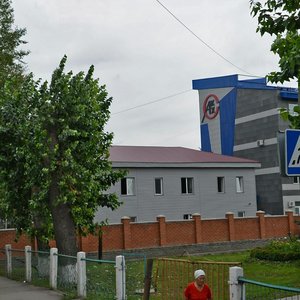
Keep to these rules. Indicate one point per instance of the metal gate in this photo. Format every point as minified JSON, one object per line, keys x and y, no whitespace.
{"x":173,"y":275}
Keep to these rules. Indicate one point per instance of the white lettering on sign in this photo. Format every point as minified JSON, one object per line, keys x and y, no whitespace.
{"x":295,"y":159}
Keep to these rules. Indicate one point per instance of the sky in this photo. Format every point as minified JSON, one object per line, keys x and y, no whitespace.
{"x":147,"y":53}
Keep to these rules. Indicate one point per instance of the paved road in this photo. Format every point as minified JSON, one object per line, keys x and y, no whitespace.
{"x":15,"y":290}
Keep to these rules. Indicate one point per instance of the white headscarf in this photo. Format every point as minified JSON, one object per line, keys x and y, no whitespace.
{"x":199,"y":273}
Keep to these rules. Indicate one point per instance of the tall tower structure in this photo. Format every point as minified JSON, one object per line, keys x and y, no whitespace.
{"x":240,"y":117}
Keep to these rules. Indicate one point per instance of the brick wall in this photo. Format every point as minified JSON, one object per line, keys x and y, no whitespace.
{"x":128,"y":236}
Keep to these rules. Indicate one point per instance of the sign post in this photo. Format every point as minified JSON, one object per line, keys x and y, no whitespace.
{"x":292,"y":152}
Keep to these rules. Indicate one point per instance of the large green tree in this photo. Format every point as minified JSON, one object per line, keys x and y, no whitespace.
{"x":281,"y":18}
{"x":11,"y":75}
{"x":11,"y":56}
{"x":61,"y":151}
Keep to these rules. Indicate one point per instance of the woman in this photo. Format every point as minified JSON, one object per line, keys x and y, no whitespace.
{"x":198,"y":290}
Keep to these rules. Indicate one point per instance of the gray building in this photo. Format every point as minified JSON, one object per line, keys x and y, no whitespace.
{"x":241,"y":118}
{"x":177,"y":182}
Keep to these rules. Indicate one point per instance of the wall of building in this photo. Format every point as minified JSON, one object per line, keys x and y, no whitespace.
{"x":257,"y":119}
{"x":205,"y":199}
{"x":162,"y":233}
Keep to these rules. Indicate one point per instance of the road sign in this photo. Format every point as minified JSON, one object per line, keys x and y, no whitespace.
{"x":292,"y":152}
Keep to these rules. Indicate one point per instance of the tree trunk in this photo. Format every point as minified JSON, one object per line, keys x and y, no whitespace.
{"x":63,"y":224}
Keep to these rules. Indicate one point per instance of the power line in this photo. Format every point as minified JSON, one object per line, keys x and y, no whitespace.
{"x":151,"y":102}
{"x":201,"y":40}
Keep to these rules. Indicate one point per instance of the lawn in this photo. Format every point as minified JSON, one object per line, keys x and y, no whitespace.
{"x":278,"y":273}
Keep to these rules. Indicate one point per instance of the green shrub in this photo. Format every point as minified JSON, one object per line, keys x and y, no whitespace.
{"x":278,"y":250}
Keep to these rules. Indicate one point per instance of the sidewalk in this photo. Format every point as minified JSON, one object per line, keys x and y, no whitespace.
{"x":15,"y":290}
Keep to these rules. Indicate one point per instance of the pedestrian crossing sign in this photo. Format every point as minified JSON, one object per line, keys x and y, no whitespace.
{"x":292,"y":152}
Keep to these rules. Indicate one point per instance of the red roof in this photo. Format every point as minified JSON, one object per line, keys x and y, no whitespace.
{"x":149,"y":154}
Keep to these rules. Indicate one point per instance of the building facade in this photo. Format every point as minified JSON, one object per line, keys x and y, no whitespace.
{"x":177,"y":182}
{"x":241,"y":118}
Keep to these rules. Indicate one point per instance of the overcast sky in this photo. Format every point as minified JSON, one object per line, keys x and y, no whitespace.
{"x":143,"y":54}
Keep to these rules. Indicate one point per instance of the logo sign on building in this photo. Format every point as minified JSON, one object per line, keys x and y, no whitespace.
{"x":210,"y":107}
{"x":292,"y":152}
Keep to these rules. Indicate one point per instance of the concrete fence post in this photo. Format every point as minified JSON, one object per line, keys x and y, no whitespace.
{"x":236,"y":291}
{"x":53,"y":268}
{"x":120,"y":278}
{"x":81,"y":274}
{"x":8,"y":260}
{"x":28,"y":263}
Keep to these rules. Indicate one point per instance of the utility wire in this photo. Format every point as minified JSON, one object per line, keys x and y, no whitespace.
{"x":150,"y":102}
{"x":201,"y":40}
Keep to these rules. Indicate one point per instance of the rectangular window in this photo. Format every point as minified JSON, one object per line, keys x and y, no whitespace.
{"x":221,"y":185}
{"x":187,"y":185}
{"x":187,"y":217}
{"x":241,"y":214}
{"x":239,"y":184}
{"x":133,"y":219}
{"x":296,"y":179}
{"x":127,"y":186}
{"x":158,"y":186}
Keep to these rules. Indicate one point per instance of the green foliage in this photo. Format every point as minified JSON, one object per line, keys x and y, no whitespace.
{"x":278,"y":250}
{"x":292,"y":118}
{"x":11,"y":56}
{"x":282,"y":19}
{"x":52,"y":136}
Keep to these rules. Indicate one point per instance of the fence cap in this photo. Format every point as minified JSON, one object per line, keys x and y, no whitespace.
{"x":196,"y":214}
{"x":125,"y":218}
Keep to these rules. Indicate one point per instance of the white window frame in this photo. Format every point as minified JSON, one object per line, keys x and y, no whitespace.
{"x":133,"y":219}
{"x":243,"y":213}
{"x":239,"y":184}
{"x":161,"y":186}
{"x":221,"y":184}
{"x":130,"y":186}
{"x":187,"y":216}
{"x":185,"y":185}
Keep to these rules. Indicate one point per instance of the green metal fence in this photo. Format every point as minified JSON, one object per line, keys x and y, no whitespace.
{"x":40,"y":268}
{"x":100,"y":279}
{"x":254,"y":290}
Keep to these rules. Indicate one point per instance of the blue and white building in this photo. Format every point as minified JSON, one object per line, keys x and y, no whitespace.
{"x":240,"y":117}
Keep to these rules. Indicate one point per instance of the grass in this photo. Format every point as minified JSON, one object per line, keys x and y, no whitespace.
{"x":278,"y":273}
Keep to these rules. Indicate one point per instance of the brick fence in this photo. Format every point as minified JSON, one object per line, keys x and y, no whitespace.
{"x":162,"y":233}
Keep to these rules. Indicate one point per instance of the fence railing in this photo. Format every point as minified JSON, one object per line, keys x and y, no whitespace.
{"x":65,"y":272}
{"x":242,"y":288}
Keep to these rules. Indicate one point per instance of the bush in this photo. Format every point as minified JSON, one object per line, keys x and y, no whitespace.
{"x":278,"y":250}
